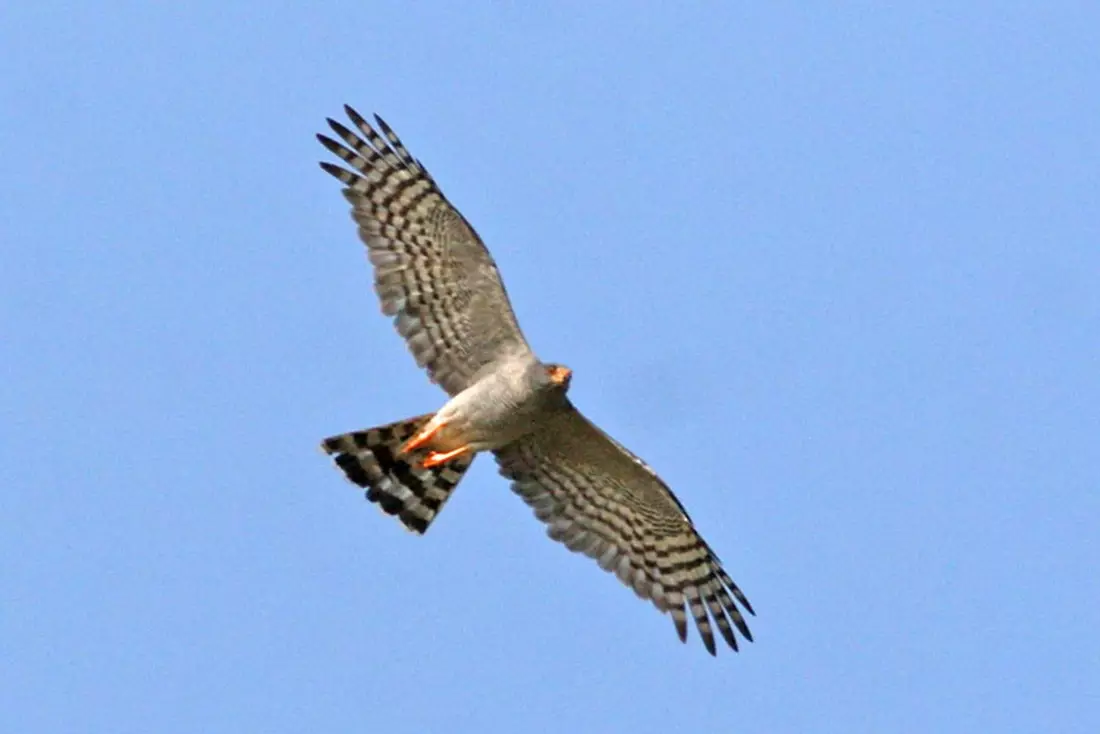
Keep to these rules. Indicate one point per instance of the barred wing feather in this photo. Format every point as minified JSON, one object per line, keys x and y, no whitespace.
{"x":432,"y":272}
{"x":600,"y":500}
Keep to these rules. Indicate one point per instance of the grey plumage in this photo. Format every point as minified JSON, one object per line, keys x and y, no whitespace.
{"x":437,"y":280}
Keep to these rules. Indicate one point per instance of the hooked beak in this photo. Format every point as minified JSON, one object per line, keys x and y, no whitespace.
{"x":559,"y":375}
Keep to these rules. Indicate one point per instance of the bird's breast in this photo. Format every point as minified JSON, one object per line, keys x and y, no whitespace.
{"x":490,"y":414}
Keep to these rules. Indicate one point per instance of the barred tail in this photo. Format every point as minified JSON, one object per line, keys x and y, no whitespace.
{"x":398,"y":484}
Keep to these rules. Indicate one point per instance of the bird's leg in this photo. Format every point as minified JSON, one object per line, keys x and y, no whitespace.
{"x":436,"y":458}
{"x":422,"y":436}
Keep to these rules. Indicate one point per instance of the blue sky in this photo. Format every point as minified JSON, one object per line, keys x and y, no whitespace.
{"x":834,"y":272}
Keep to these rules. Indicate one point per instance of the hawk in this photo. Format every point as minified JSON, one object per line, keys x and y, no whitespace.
{"x":438,"y":282}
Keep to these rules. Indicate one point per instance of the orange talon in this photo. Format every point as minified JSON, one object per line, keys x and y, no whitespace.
{"x":422,"y":437}
{"x":435,"y":458}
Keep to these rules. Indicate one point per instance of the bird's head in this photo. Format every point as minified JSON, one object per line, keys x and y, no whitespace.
{"x":558,"y":376}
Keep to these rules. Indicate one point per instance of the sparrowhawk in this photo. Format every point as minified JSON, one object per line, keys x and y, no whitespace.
{"x":435,"y":277}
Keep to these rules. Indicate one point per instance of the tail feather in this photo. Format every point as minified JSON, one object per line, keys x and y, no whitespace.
{"x":397,"y":483}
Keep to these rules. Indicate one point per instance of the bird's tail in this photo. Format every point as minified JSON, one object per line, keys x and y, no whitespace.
{"x":397,"y":482}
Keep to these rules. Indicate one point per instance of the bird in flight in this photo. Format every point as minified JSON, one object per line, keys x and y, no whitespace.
{"x":438,"y":282}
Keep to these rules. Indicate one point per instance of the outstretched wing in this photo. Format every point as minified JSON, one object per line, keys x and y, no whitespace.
{"x":431,"y":270}
{"x":601,"y":500}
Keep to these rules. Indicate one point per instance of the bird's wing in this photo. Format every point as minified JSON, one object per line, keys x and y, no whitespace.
{"x":601,"y":500}
{"x":431,"y":270}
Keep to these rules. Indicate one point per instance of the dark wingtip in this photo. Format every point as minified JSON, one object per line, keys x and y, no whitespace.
{"x":680,"y":624}
{"x":332,"y":169}
{"x":334,"y":147}
{"x":341,"y":129}
{"x":745,"y":603}
{"x":386,"y":129}
{"x":742,"y":627}
{"x":355,"y":117}
{"x":727,"y":634}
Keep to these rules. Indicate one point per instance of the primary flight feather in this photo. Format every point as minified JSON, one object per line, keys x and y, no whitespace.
{"x":437,"y":280}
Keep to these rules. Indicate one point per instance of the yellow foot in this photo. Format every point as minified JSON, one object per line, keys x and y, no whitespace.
{"x":435,"y":458}
{"x":422,"y":436}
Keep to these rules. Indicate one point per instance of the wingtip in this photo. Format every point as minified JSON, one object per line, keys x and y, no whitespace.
{"x":679,"y":619}
{"x":340,"y":128}
{"x":354,"y":116}
{"x":386,"y":129}
{"x":334,"y":147}
{"x":739,"y":621}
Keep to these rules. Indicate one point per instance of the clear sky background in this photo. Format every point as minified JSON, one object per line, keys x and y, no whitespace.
{"x":834,"y":272}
